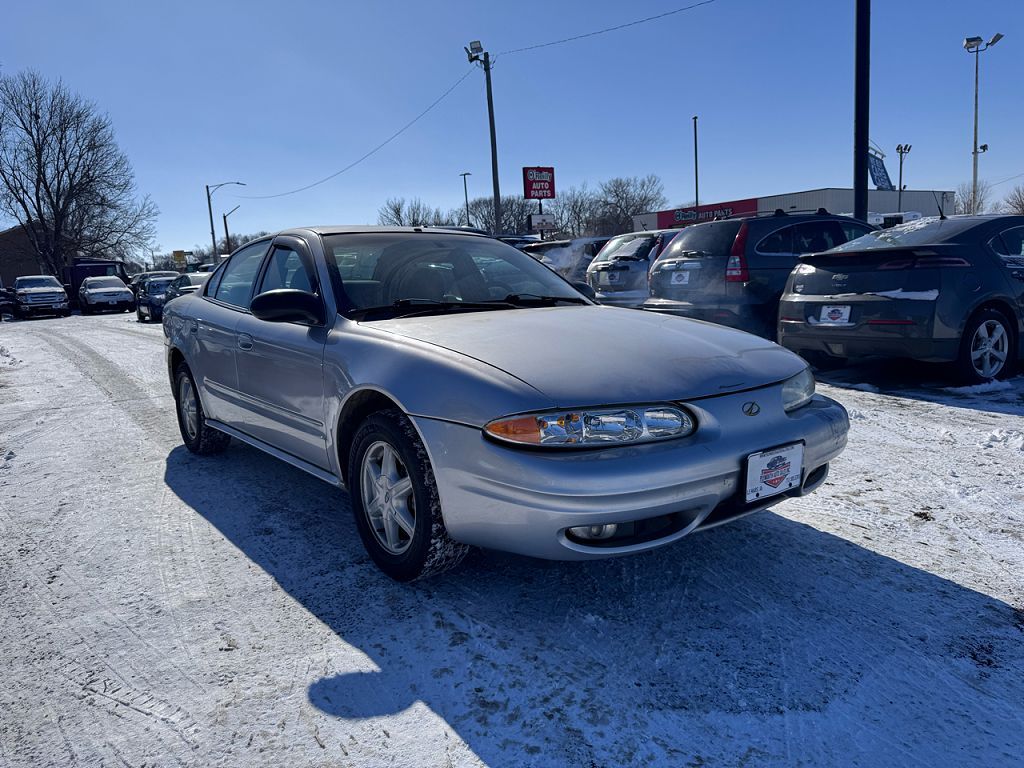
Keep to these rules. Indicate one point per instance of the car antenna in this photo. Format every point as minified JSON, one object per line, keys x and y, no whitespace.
{"x":942,"y":215}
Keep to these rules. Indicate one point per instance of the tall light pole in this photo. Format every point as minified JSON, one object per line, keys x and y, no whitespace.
{"x":976,"y":45}
{"x":903,"y":149}
{"x":227,"y":238}
{"x":476,"y":52}
{"x":465,"y":191}
{"x":210,"y":189}
{"x":861,"y":106}
{"x":696,"y":177}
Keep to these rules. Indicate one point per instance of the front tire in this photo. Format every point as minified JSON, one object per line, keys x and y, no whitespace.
{"x":395,"y":500}
{"x":139,"y":316}
{"x":197,"y":436}
{"x":986,"y":348}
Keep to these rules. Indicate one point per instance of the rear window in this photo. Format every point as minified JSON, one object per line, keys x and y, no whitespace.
{"x":636,"y":245}
{"x":105,"y":282}
{"x":714,"y":237}
{"x":929,"y":231}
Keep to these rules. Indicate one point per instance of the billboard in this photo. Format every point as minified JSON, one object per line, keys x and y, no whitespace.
{"x":680,"y":217}
{"x":879,"y":175}
{"x":538,"y":182}
{"x":541,"y":222}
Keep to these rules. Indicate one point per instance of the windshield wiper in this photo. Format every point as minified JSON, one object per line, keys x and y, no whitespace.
{"x":521,"y":299}
{"x":409,"y":307}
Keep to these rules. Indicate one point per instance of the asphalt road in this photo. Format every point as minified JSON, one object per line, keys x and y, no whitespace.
{"x":164,"y":609}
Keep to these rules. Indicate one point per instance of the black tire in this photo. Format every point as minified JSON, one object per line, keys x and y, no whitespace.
{"x":429,"y":551}
{"x":197,"y":436}
{"x":971,"y":368}
{"x":823,"y":361}
{"x":85,"y":308}
{"x":139,"y":316}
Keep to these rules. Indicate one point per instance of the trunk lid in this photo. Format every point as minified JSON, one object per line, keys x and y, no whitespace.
{"x":892,"y":271}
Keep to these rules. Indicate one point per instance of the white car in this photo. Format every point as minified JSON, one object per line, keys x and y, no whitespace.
{"x":105,"y":293}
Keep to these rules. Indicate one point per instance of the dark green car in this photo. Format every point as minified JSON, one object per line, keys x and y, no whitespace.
{"x":937,"y":289}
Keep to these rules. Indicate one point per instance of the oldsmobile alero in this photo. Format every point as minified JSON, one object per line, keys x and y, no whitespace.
{"x":465,"y":395}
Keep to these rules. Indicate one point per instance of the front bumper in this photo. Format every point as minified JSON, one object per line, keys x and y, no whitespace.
{"x":525,"y":501}
{"x":56,"y":308}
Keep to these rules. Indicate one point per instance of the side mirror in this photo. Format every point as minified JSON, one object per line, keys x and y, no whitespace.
{"x":586,"y":290}
{"x":287,"y":305}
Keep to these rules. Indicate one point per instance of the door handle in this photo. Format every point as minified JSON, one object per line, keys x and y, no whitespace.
{"x":244,"y":342}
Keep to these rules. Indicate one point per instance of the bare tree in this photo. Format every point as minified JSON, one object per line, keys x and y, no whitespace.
{"x":514,"y":210}
{"x":621,"y":199}
{"x":964,"y":192}
{"x":399,"y":212}
{"x":63,"y":177}
{"x":576,"y":211}
{"x":1014,"y":201}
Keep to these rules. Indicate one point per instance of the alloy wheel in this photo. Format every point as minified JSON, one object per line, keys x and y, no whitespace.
{"x":188,"y":407}
{"x":388,"y":500}
{"x":989,"y":349}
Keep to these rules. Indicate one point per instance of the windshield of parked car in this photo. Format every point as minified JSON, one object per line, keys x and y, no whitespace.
{"x":634,"y":246}
{"x":104,"y":282}
{"x":21,"y":283}
{"x":381,"y":274}
{"x":158,"y":285}
{"x":712,"y":237}
{"x":928,"y":231}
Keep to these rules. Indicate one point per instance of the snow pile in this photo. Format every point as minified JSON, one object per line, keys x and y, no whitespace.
{"x":6,"y":358}
{"x":931,"y":295}
{"x":1009,"y":438}
{"x":980,"y":389}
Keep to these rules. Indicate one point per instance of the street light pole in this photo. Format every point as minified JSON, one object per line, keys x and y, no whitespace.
{"x":476,"y":52}
{"x":465,"y":191}
{"x":227,"y":238}
{"x":902,"y":149}
{"x":861,"y":106}
{"x":696,"y":177}
{"x":976,"y":45}
{"x":209,"y":208}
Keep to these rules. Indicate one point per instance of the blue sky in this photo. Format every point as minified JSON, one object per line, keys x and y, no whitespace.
{"x":279,"y":95}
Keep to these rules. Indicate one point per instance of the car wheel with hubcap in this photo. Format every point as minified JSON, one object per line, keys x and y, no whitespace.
{"x":197,"y":436}
{"x":395,"y":501}
{"x":986,"y":349}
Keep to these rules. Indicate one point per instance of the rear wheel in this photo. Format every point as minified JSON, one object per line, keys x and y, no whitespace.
{"x":197,"y":436}
{"x":986,"y":349}
{"x":395,"y":500}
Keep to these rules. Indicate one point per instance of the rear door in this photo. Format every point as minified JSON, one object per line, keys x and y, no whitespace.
{"x":1009,"y":245}
{"x":280,"y":365}
{"x":692,"y":268}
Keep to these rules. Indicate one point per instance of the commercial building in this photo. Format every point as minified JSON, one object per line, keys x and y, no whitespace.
{"x":833,"y":199}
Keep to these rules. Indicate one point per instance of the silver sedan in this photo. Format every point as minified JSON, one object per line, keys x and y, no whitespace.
{"x":466,"y":395}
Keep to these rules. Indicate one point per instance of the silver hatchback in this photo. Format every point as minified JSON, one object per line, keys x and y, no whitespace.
{"x":618,"y":273}
{"x":466,"y":395}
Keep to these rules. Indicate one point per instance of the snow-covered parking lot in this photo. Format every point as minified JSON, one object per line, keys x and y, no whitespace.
{"x":164,"y":609}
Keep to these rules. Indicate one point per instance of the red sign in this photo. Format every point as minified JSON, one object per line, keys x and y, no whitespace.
{"x":538,"y":183}
{"x":680,"y":217}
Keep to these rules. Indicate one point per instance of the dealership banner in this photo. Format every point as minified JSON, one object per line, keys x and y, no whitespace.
{"x":538,"y":183}
{"x":680,"y":217}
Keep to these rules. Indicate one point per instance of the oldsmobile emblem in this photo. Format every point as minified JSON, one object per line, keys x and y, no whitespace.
{"x":751,"y":408}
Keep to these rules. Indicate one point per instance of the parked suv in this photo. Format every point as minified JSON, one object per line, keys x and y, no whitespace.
{"x":39,"y":295}
{"x":733,"y":271}
{"x":618,"y":274}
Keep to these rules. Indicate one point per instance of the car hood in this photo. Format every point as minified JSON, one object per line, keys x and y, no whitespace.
{"x":33,"y":291}
{"x":591,"y":355}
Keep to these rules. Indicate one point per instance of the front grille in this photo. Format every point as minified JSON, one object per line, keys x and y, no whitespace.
{"x":43,"y":298}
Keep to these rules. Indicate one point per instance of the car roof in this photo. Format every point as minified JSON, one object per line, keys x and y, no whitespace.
{"x":350,"y":229}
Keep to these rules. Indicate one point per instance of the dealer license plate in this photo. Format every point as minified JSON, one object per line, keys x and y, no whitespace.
{"x":835,"y":314}
{"x":608,"y":278}
{"x":773,"y":472}
{"x":681,"y":278}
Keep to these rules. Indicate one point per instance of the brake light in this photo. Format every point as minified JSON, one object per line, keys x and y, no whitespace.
{"x":736,"y":268}
{"x":926,"y":262}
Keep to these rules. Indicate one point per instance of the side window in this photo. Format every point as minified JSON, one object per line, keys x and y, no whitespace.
{"x":235,"y":286}
{"x":853,"y":230}
{"x":779,"y":241}
{"x":286,"y":269}
{"x":815,"y":236}
{"x":1009,"y":244}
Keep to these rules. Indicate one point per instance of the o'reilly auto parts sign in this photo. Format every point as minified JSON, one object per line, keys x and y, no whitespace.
{"x":538,"y":183}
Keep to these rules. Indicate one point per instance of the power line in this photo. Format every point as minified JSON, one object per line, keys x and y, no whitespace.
{"x":1003,"y":181}
{"x":373,"y":151}
{"x":608,"y":29}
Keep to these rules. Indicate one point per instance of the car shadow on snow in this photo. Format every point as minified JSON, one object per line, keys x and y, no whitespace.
{"x":928,"y":382}
{"x":762,"y":641}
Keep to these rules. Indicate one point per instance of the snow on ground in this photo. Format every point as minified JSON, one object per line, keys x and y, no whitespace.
{"x":163,"y":608}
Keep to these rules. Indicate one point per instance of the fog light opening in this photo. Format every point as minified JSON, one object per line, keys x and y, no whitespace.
{"x":592,"y":532}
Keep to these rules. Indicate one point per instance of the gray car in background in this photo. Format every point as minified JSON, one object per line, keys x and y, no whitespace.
{"x":618,"y":274}
{"x":466,"y":395}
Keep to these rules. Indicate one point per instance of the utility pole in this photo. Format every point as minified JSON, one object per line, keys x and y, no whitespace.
{"x":475,"y":52}
{"x":696,"y":176}
{"x":465,"y":191}
{"x":861,"y":105}
{"x":227,"y":238}
{"x":902,"y":149}
{"x":209,"y":208}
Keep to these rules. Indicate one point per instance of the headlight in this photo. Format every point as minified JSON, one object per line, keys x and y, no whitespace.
{"x":798,"y":390}
{"x":592,"y":427}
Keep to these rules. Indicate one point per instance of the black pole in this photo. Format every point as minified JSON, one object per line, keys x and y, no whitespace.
{"x":213,"y":237}
{"x":465,"y":192}
{"x":899,"y":194}
{"x":227,"y":239}
{"x":494,"y":146}
{"x":696,"y":177}
{"x":861,"y":103}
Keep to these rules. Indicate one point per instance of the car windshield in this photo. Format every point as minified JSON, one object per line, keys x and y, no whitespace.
{"x":378,"y":275}
{"x":159,"y":285}
{"x":634,"y":246}
{"x":104,"y":282}
{"x":714,"y":237}
{"x":928,"y":231}
{"x":36,"y":282}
